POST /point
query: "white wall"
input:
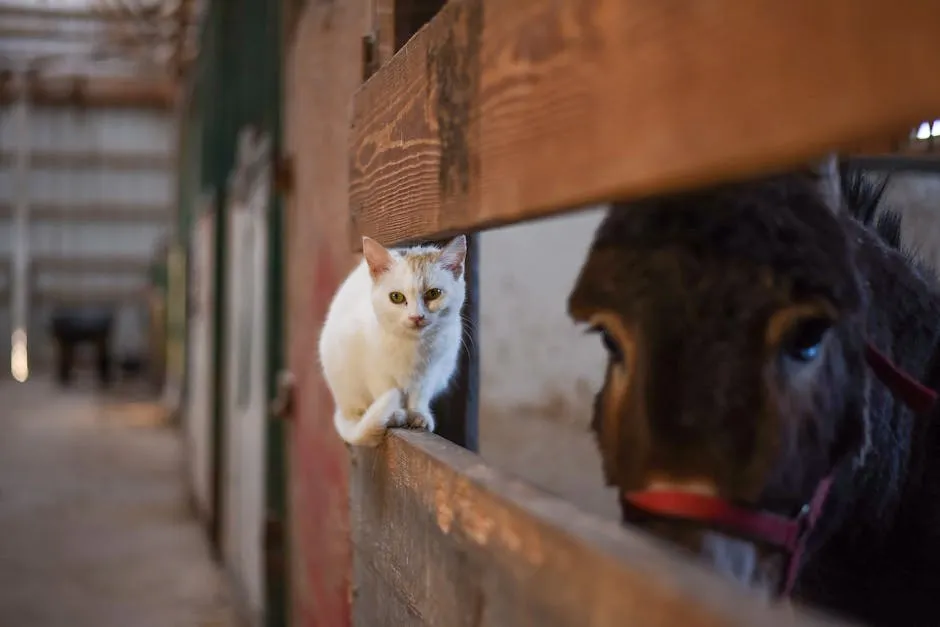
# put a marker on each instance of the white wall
(97, 131)
(916, 196)
(539, 372)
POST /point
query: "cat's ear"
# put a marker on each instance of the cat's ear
(377, 257)
(453, 255)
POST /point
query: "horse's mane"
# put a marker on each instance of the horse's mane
(862, 193)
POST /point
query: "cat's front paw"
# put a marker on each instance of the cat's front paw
(398, 418)
(419, 420)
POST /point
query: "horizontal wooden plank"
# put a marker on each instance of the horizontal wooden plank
(94, 13)
(94, 92)
(104, 264)
(440, 538)
(86, 160)
(48, 32)
(501, 111)
(64, 296)
(117, 264)
(96, 296)
(94, 213)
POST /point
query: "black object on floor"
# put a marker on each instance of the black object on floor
(71, 326)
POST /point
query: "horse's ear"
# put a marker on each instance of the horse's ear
(829, 179)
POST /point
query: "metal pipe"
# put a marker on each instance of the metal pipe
(19, 314)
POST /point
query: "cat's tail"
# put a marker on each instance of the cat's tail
(386, 411)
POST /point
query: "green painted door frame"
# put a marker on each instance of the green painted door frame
(239, 83)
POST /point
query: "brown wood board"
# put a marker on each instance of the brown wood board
(498, 112)
(441, 538)
(94, 213)
(94, 92)
(323, 68)
(85, 160)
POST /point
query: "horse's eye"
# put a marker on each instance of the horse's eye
(805, 340)
(613, 350)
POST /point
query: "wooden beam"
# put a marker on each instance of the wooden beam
(61, 296)
(49, 32)
(500, 111)
(94, 92)
(101, 14)
(102, 263)
(323, 68)
(84, 160)
(112, 296)
(94, 213)
(441, 538)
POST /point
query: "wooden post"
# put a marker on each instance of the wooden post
(323, 69)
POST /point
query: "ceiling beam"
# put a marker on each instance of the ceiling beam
(95, 212)
(85, 160)
(92, 92)
(49, 32)
(105, 264)
(100, 15)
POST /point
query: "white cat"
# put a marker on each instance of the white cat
(391, 338)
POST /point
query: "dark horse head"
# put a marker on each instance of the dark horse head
(739, 322)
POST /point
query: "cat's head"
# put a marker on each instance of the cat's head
(415, 290)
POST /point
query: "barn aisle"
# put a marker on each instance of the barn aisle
(95, 529)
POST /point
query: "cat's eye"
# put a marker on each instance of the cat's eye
(432, 294)
(610, 345)
(804, 342)
(396, 297)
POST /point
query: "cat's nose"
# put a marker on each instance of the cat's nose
(418, 320)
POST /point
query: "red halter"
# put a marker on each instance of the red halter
(785, 534)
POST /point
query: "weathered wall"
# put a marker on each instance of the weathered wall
(538, 371)
(917, 197)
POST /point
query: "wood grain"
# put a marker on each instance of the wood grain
(501, 111)
(114, 264)
(440, 538)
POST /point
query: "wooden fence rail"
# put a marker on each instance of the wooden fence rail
(501, 111)
(440, 538)
(497, 112)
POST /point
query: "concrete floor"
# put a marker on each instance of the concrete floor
(95, 530)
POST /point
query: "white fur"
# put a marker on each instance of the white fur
(381, 371)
